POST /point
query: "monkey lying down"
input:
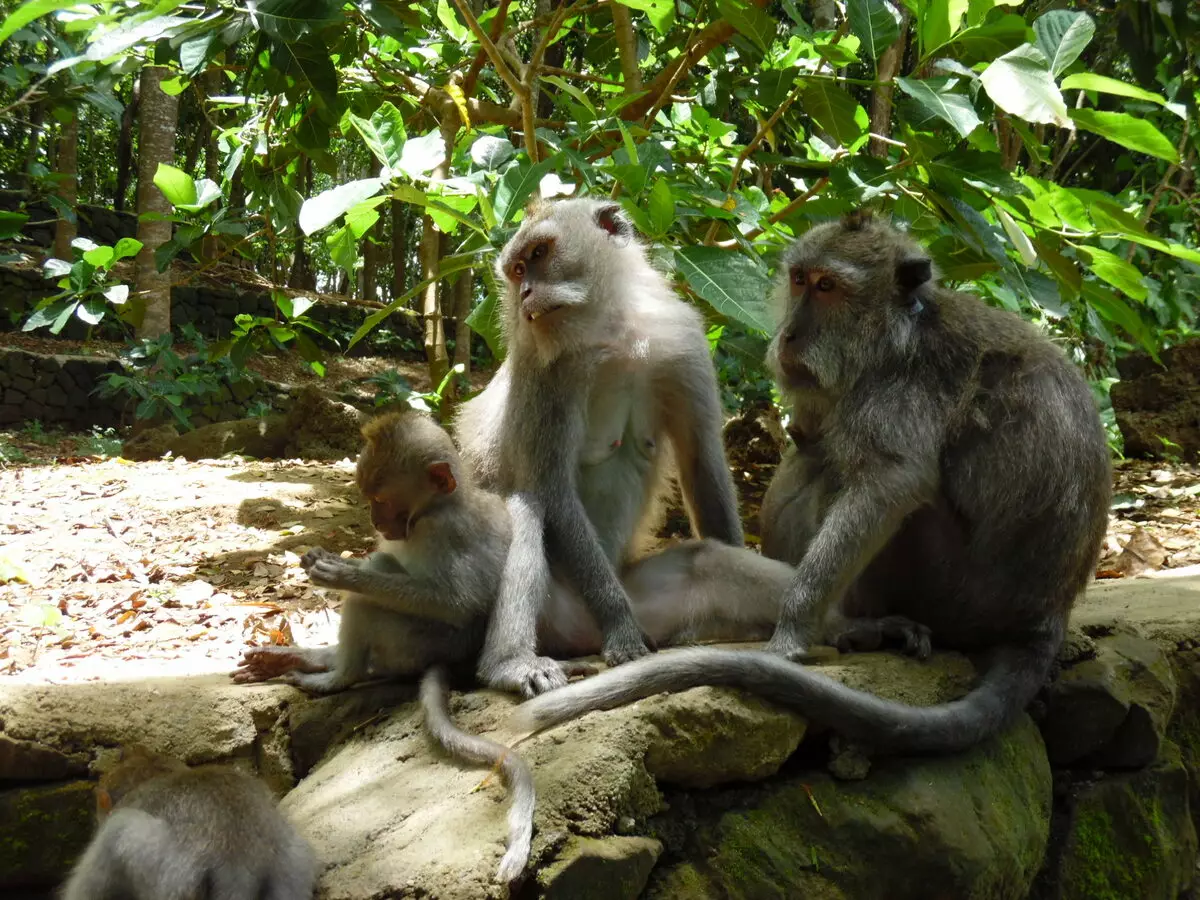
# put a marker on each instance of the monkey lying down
(949, 469)
(422, 602)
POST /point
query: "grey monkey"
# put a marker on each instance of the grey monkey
(606, 370)
(950, 483)
(173, 833)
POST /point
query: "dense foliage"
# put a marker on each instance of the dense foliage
(1043, 151)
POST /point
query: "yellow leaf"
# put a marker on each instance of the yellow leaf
(460, 100)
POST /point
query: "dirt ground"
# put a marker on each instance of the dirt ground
(111, 569)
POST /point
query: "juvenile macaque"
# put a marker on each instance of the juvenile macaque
(949, 484)
(168, 832)
(606, 367)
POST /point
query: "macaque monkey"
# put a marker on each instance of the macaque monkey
(168, 832)
(606, 368)
(423, 599)
(950, 484)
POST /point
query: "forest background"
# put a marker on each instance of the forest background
(384, 151)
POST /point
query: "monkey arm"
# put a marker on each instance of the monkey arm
(691, 409)
(394, 590)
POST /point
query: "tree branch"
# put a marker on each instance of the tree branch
(498, 24)
(490, 48)
(627, 48)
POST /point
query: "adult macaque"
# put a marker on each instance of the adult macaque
(168, 832)
(950, 481)
(605, 366)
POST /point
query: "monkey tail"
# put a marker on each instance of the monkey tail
(435, 695)
(1008, 684)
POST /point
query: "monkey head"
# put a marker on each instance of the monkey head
(407, 467)
(564, 270)
(852, 294)
(135, 766)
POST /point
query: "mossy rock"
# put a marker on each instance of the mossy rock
(972, 826)
(43, 830)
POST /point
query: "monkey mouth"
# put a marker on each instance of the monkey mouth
(534, 314)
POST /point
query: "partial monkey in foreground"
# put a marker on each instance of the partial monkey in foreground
(606, 370)
(424, 597)
(950, 483)
(169, 832)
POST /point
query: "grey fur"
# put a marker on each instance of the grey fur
(950, 480)
(577, 419)
(183, 834)
(435, 699)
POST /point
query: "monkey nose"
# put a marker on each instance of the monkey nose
(526, 291)
(789, 336)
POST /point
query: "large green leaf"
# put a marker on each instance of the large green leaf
(661, 13)
(421, 155)
(1128, 131)
(749, 20)
(1062, 35)
(516, 186)
(383, 133)
(834, 110)
(136, 33)
(983, 43)
(27, 12)
(736, 285)
(660, 209)
(491, 152)
(950, 107)
(1087, 81)
(1020, 83)
(288, 20)
(11, 224)
(874, 21)
(1111, 268)
(1114, 309)
(321, 210)
(176, 185)
(938, 20)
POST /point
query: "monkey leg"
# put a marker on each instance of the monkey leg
(264, 663)
(870, 634)
(134, 855)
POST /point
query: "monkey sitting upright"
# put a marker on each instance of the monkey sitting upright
(950, 482)
(173, 833)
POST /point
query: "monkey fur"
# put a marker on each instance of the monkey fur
(606, 370)
(950, 483)
(168, 832)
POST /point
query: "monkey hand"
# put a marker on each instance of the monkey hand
(331, 571)
(530, 675)
(310, 559)
(624, 645)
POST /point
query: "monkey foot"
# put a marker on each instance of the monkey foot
(623, 648)
(317, 682)
(264, 663)
(531, 675)
(870, 634)
(785, 644)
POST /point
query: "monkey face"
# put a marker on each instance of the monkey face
(557, 268)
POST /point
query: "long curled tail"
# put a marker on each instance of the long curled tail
(435, 697)
(1008, 684)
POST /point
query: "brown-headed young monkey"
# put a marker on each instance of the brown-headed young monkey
(169, 832)
(950, 470)
(605, 367)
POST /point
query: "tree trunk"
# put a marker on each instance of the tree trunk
(156, 144)
(210, 85)
(68, 171)
(35, 138)
(881, 99)
(463, 291)
(399, 249)
(125, 147)
(302, 275)
(431, 245)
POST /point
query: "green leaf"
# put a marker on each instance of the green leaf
(1111, 268)
(580, 97)
(176, 185)
(287, 20)
(383, 134)
(751, 21)
(449, 20)
(321, 210)
(1020, 83)
(1020, 240)
(1128, 131)
(173, 87)
(661, 208)
(30, 11)
(461, 204)
(100, 257)
(11, 224)
(955, 109)
(421, 155)
(736, 285)
(127, 247)
(361, 218)
(1115, 310)
(46, 316)
(343, 249)
(834, 110)
(491, 152)
(661, 13)
(874, 22)
(117, 294)
(145, 33)
(938, 21)
(516, 186)
(193, 53)
(1086, 81)
(485, 319)
(1062, 35)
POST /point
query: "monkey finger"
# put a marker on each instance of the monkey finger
(573, 668)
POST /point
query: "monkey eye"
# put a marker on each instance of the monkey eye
(518, 268)
(539, 251)
(797, 276)
(825, 283)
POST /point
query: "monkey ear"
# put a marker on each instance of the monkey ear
(913, 272)
(609, 218)
(442, 477)
(103, 801)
